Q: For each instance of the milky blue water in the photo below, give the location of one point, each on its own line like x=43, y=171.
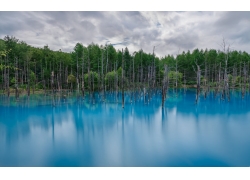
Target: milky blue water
x=78, y=132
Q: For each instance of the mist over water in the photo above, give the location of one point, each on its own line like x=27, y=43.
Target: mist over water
x=77, y=132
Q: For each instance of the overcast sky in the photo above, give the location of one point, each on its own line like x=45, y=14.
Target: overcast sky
x=171, y=32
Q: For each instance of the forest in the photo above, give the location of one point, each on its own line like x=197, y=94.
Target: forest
x=101, y=68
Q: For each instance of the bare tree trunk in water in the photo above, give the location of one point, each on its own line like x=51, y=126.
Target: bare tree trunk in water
x=102, y=87
x=205, y=79
x=245, y=79
x=148, y=83
x=226, y=85
x=248, y=78
x=240, y=80
x=2, y=76
x=176, y=76
x=28, y=77
x=8, y=78
x=133, y=90
x=198, y=72
x=60, y=77
x=83, y=75
x=89, y=78
x=77, y=78
x=66, y=78
x=98, y=78
x=16, y=80
x=164, y=84
x=116, y=83
x=219, y=79
x=93, y=87
x=234, y=76
x=52, y=86
x=184, y=79
x=122, y=80
x=106, y=73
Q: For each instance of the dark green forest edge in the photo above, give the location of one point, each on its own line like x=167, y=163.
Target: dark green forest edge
x=101, y=68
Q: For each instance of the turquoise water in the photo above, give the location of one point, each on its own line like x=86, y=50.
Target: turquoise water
x=77, y=132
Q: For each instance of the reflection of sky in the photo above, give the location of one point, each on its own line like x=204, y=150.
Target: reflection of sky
x=212, y=133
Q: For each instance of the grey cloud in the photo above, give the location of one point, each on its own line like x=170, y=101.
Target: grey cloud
x=60, y=16
x=83, y=32
x=242, y=36
x=125, y=42
x=87, y=26
x=110, y=28
x=34, y=24
x=10, y=23
x=8, y=29
x=171, y=21
x=232, y=19
x=231, y=24
x=132, y=20
x=92, y=14
x=183, y=41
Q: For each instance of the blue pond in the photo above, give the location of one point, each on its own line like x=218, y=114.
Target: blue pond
x=79, y=132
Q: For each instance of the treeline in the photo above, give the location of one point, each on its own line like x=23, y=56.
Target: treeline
x=103, y=68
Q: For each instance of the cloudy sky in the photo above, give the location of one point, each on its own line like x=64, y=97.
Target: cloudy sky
x=171, y=32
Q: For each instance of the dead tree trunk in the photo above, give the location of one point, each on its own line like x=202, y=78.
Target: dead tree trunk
x=66, y=79
x=5, y=75
x=184, y=79
x=52, y=86
x=219, y=79
x=16, y=80
x=8, y=78
x=148, y=83
x=60, y=77
x=77, y=78
x=2, y=76
x=28, y=77
x=164, y=84
x=226, y=85
x=122, y=80
x=106, y=72
x=98, y=79
x=240, y=78
x=234, y=76
x=198, y=74
x=102, y=87
x=89, y=78
x=116, y=83
x=248, y=78
x=176, y=75
x=153, y=69
x=83, y=75
x=245, y=80
x=205, y=79
x=93, y=87
x=133, y=86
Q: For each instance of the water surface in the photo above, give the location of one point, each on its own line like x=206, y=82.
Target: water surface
x=77, y=132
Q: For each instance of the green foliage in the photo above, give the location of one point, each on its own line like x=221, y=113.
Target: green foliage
x=92, y=75
x=172, y=75
x=7, y=67
x=32, y=78
x=110, y=76
x=71, y=78
x=230, y=78
x=13, y=81
x=239, y=79
x=119, y=71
